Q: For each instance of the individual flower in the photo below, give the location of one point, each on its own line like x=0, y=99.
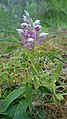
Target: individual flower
x=37, y=22
x=38, y=27
x=29, y=45
x=39, y=41
x=20, y=31
x=24, y=25
x=26, y=35
x=30, y=40
x=43, y=35
x=33, y=34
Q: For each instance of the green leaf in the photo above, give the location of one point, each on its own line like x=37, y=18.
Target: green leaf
x=43, y=89
x=36, y=82
x=52, y=85
x=41, y=115
x=56, y=73
x=10, y=98
x=21, y=110
x=47, y=85
x=29, y=95
x=22, y=116
x=44, y=75
x=59, y=96
x=34, y=70
x=11, y=110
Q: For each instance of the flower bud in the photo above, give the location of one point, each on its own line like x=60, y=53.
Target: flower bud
x=27, y=14
x=24, y=18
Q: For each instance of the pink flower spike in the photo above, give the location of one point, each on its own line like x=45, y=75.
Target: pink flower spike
x=30, y=32
x=42, y=35
x=20, y=31
x=30, y=40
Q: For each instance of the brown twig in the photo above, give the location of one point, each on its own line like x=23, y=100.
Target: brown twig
x=60, y=59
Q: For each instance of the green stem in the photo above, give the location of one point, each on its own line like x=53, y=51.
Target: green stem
x=33, y=61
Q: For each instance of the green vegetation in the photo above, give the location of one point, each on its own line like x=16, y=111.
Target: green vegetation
x=33, y=83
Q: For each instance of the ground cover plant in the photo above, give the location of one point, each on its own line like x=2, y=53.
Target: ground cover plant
x=33, y=74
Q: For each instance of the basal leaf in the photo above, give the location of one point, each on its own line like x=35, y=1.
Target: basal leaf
x=29, y=95
x=11, y=110
x=21, y=110
x=22, y=116
x=10, y=98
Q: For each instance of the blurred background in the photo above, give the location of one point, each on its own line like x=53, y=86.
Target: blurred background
x=52, y=14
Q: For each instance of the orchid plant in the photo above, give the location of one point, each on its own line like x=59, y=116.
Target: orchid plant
x=35, y=77
x=31, y=32
x=31, y=35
